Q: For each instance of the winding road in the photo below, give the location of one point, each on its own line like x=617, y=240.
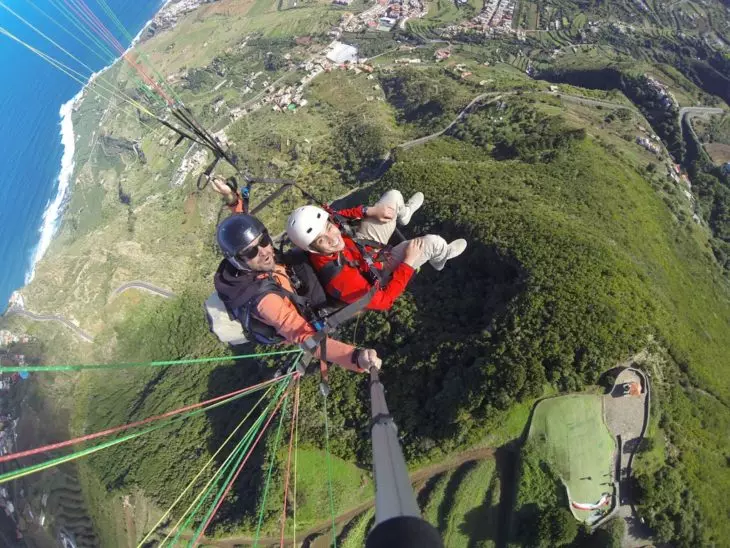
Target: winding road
x=80, y=333
x=500, y=95
x=687, y=113
x=464, y=112
x=83, y=335
x=144, y=286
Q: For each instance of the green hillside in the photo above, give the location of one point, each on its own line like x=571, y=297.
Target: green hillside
x=583, y=252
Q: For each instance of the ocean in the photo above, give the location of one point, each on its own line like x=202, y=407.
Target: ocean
x=36, y=134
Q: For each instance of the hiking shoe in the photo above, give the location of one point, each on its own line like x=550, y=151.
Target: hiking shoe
x=454, y=249
x=412, y=205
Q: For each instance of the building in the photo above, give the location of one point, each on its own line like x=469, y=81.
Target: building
x=342, y=53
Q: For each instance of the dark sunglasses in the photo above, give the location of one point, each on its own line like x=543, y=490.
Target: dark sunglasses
x=251, y=252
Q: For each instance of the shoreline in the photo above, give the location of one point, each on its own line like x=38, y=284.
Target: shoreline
x=55, y=209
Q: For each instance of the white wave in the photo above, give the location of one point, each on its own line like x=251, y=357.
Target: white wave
x=53, y=213
x=54, y=209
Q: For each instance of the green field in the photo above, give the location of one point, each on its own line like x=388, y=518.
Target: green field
x=463, y=504
x=574, y=438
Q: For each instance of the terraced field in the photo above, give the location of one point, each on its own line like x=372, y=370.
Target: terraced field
x=462, y=503
x=67, y=505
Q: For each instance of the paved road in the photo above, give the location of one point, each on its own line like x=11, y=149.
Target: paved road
x=628, y=416
x=687, y=113
x=83, y=335
x=427, y=138
x=144, y=286
x=80, y=333
x=499, y=95
x=593, y=102
x=696, y=111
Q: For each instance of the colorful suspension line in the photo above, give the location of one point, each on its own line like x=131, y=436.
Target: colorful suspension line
x=86, y=15
x=295, y=418
x=12, y=369
x=233, y=460
x=201, y=530
x=268, y=477
x=9, y=476
x=296, y=455
x=109, y=431
x=205, y=467
x=107, y=59
x=128, y=35
x=72, y=73
x=92, y=39
x=59, y=46
x=234, y=457
x=329, y=471
x=205, y=493
x=69, y=71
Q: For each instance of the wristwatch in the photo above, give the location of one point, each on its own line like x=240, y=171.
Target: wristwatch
x=364, y=211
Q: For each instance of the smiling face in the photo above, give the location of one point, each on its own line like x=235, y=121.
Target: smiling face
x=264, y=260
x=329, y=241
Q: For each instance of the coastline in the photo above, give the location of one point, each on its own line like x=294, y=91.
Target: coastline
x=55, y=208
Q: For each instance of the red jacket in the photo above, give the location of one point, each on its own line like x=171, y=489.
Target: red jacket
x=351, y=282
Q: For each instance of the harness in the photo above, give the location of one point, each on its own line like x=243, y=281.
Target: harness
x=261, y=332
x=374, y=275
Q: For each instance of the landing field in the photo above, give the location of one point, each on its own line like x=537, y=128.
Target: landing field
x=573, y=436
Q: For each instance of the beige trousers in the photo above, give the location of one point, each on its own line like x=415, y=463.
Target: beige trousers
x=434, y=247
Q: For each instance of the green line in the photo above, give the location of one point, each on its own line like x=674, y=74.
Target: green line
x=8, y=476
x=268, y=475
x=235, y=457
x=140, y=55
x=13, y=369
x=329, y=472
x=53, y=20
x=240, y=456
x=76, y=23
x=226, y=482
x=204, y=468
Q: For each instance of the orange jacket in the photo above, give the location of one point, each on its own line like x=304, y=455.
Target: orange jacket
x=280, y=313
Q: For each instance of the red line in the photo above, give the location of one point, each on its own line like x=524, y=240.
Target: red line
x=235, y=477
x=87, y=15
x=99, y=31
x=288, y=464
x=53, y=446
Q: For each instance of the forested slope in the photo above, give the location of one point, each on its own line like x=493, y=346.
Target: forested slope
x=575, y=262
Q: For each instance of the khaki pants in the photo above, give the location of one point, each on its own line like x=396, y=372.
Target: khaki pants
x=434, y=247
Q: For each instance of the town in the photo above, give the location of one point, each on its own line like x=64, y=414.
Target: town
x=494, y=18
x=18, y=514
x=383, y=16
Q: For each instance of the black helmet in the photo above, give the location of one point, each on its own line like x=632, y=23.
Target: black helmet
x=236, y=233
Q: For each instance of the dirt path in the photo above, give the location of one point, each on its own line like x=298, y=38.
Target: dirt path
x=417, y=477
x=129, y=521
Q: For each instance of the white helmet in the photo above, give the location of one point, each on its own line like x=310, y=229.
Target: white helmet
x=305, y=224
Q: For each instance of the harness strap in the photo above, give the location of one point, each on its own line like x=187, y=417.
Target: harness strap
x=319, y=339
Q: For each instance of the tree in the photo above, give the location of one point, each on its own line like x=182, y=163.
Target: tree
x=557, y=527
x=609, y=535
x=360, y=145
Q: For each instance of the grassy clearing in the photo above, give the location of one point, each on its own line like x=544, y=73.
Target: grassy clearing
x=355, y=535
x=473, y=518
x=351, y=486
x=573, y=436
x=435, y=491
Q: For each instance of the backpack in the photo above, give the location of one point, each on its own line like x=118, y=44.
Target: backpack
x=230, y=310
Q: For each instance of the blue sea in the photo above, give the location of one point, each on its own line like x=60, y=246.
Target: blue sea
x=35, y=147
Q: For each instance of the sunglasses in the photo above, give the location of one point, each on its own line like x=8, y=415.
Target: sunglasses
x=251, y=252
